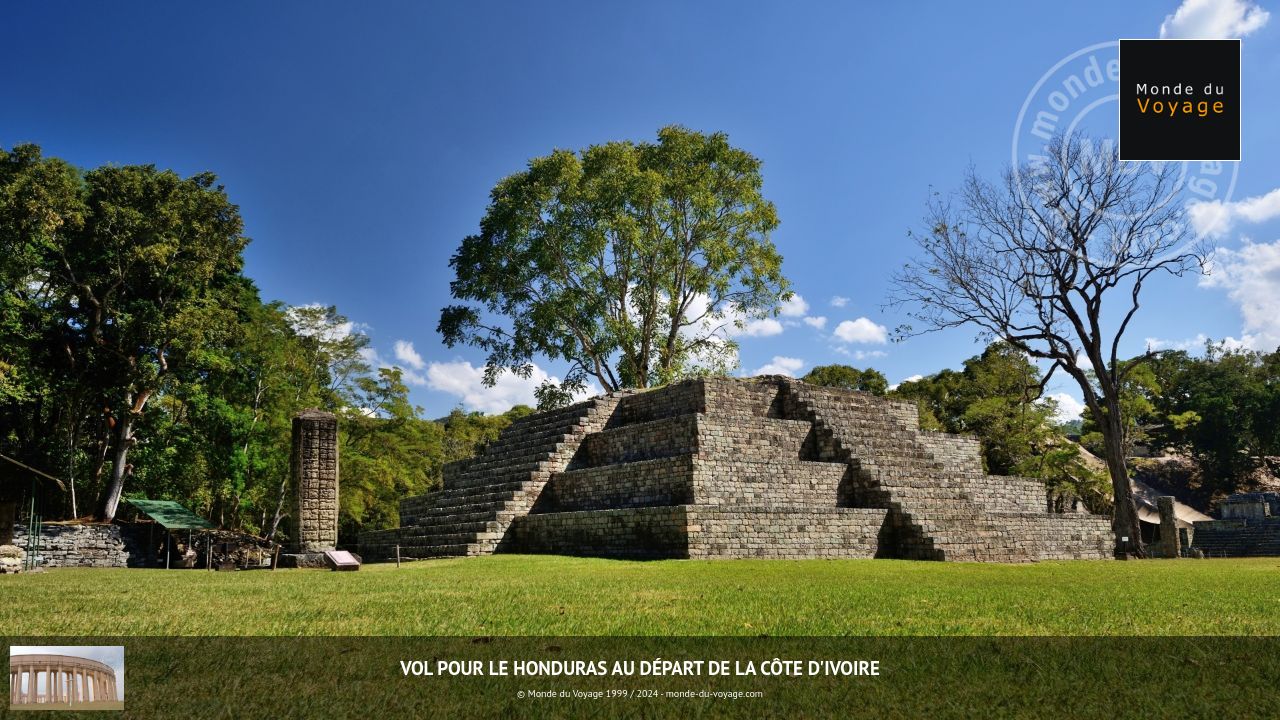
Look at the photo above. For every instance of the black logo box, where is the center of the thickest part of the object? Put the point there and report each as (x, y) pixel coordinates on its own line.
(1180, 66)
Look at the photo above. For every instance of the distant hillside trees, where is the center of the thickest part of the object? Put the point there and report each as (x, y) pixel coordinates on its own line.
(997, 397)
(849, 378)
(1220, 409)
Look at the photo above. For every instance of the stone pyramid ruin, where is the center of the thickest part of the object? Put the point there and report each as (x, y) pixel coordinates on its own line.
(719, 467)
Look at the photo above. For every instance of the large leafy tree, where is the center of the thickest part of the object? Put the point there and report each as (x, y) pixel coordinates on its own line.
(630, 261)
(135, 264)
(215, 373)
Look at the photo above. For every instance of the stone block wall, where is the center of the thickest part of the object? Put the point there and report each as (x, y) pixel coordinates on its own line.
(63, 546)
(642, 483)
(680, 398)
(1238, 537)
(647, 533)
(702, 531)
(960, 453)
(676, 435)
(768, 532)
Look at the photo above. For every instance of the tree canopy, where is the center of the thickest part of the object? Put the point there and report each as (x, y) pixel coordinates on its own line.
(849, 378)
(631, 261)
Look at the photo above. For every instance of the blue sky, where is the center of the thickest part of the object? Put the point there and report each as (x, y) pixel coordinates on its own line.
(361, 140)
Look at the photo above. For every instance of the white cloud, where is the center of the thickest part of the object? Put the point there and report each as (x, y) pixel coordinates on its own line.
(860, 354)
(726, 324)
(838, 301)
(909, 378)
(1190, 344)
(758, 327)
(465, 381)
(1215, 218)
(1068, 408)
(780, 365)
(818, 322)
(862, 330)
(376, 361)
(795, 307)
(1198, 343)
(407, 355)
(1214, 19)
(1251, 277)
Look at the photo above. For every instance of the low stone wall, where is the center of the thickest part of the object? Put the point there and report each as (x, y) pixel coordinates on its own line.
(703, 531)
(1005, 493)
(953, 452)
(1064, 537)
(680, 398)
(639, 441)
(77, 545)
(782, 533)
(779, 483)
(635, 533)
(754, 439)
(1238, 537)
(735, 400)
(663, 481)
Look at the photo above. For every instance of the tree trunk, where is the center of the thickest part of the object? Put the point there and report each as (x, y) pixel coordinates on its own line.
(275, 521)
(115, 486)
(1124, 520)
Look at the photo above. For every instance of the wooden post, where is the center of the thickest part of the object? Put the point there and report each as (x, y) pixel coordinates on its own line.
(275, 557)
(397, 556)
(167, 537)
(208, 551)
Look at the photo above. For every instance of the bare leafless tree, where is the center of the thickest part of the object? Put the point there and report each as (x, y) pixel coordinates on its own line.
(1030, 260)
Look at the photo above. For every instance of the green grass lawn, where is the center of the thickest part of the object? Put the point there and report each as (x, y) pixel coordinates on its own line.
(544, 595)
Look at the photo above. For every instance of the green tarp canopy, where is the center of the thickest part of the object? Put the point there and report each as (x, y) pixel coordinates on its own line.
(170, 515)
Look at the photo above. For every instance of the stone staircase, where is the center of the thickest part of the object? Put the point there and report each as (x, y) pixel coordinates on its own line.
(942, 505)
(480, 497)
(685, 471)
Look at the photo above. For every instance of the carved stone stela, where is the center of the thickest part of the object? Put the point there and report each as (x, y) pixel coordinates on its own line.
(315, 474)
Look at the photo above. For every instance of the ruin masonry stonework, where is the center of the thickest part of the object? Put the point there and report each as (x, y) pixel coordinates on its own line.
(1248, 525)
(315, 473)
(732, 468)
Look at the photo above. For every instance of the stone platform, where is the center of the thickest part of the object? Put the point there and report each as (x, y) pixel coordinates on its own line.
(719, 467)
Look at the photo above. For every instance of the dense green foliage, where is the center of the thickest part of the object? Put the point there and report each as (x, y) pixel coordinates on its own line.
(135, 358)
(542, 595)
(1218, 409)
(1222, 409)
(997, 397)
(849, 378)
(630, 261)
